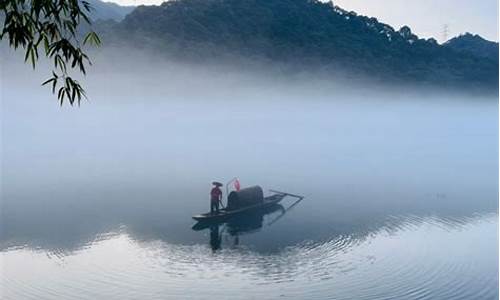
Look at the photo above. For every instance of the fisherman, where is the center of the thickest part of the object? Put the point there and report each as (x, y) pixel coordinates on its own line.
(215, 197)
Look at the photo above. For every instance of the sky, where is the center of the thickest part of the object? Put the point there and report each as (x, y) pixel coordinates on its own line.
(427, 18)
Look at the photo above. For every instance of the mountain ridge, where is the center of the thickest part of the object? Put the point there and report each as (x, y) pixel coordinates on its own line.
(102, 10)
(306, 33)
(474, 44)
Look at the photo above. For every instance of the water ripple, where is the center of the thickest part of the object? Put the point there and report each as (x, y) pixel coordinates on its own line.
(406, 257)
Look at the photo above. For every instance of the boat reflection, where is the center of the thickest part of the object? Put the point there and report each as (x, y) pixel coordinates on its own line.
(242, 225)
(245, 224)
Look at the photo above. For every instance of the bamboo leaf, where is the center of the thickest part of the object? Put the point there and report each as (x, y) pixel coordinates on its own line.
(48, 81)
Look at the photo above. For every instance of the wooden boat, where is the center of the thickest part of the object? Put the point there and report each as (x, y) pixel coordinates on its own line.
(226, 214)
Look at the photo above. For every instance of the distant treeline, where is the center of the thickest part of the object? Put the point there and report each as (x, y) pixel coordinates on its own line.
(306, 34)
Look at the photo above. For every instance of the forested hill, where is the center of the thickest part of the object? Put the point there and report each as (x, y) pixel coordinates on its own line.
(306, 34)
(474, 44)
(108, 10)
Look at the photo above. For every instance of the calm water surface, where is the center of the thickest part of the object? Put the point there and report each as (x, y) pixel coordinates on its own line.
(400, 196)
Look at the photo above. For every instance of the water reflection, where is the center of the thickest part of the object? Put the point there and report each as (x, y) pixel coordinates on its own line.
(215, 238)
(235, 227)
(410, 257)
(243, 224)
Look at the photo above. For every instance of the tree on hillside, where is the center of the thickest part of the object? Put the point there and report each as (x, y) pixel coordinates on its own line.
(51, 27)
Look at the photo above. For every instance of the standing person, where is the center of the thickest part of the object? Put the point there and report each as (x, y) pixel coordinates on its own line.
(215, 197)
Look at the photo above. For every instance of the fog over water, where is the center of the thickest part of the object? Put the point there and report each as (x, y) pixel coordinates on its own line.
(399, 184)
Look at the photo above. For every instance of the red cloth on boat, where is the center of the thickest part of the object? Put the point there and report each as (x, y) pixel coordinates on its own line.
(237, 185)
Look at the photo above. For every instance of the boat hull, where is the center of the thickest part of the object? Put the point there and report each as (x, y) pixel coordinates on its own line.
(225, 215)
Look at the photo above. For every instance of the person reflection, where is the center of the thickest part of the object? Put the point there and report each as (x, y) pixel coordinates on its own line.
(215, 238)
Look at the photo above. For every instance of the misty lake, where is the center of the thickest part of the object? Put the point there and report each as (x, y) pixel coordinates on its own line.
(401, 189)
